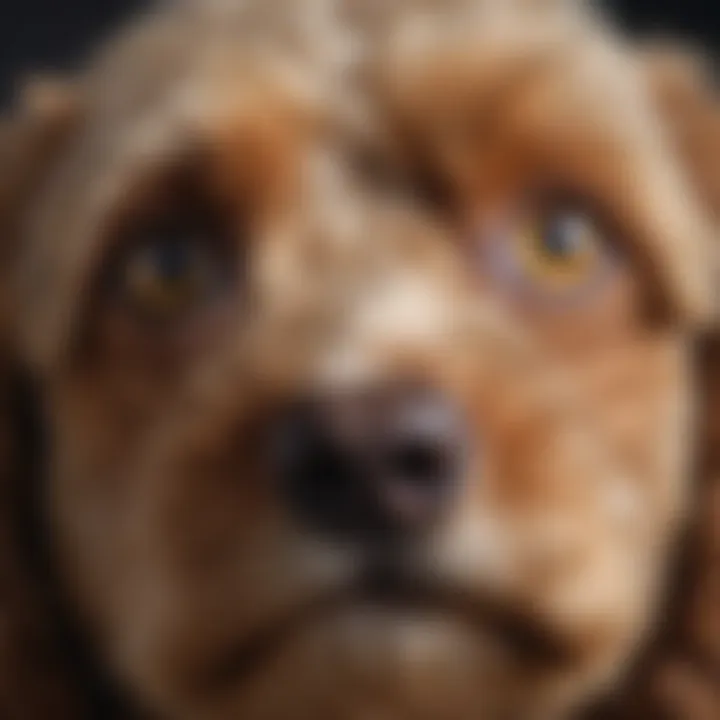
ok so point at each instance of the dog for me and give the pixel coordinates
(348, 365)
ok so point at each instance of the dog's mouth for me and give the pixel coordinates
(398, 595)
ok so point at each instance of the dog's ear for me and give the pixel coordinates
(683, 87)
(35, 677)
(677, 677)
(31, 135)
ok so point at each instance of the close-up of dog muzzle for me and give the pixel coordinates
(359, 362)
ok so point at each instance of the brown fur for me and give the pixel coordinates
(678, 675)
(149, 550)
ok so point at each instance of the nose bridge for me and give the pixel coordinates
(370, 274)
(407, 308)
(396, 322)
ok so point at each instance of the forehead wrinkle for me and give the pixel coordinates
(454, 95)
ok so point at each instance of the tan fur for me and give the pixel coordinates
(169, 550)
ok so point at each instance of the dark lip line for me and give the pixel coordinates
(536, 643)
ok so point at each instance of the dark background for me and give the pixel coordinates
(38, 34)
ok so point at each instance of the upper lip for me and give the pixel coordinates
(534, 641)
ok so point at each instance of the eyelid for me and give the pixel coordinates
(501, 254)
(189, 217)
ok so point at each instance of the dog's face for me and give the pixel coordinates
(319, 451)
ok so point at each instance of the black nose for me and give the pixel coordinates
(371, 465)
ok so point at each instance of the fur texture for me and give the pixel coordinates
(366, 180)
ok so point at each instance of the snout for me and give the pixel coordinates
(440, 513)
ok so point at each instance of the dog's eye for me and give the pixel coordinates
(550, 257)
(171, 271)
(560, 250)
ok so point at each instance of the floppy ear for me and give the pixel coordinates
(689, 97)
(679, 675)
(30, 137)
(35, 674)
(682, 83)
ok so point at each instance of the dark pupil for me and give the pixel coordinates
(173, 259)
(560, 239)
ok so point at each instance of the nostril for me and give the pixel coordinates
(423, 464)
(315, 471)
